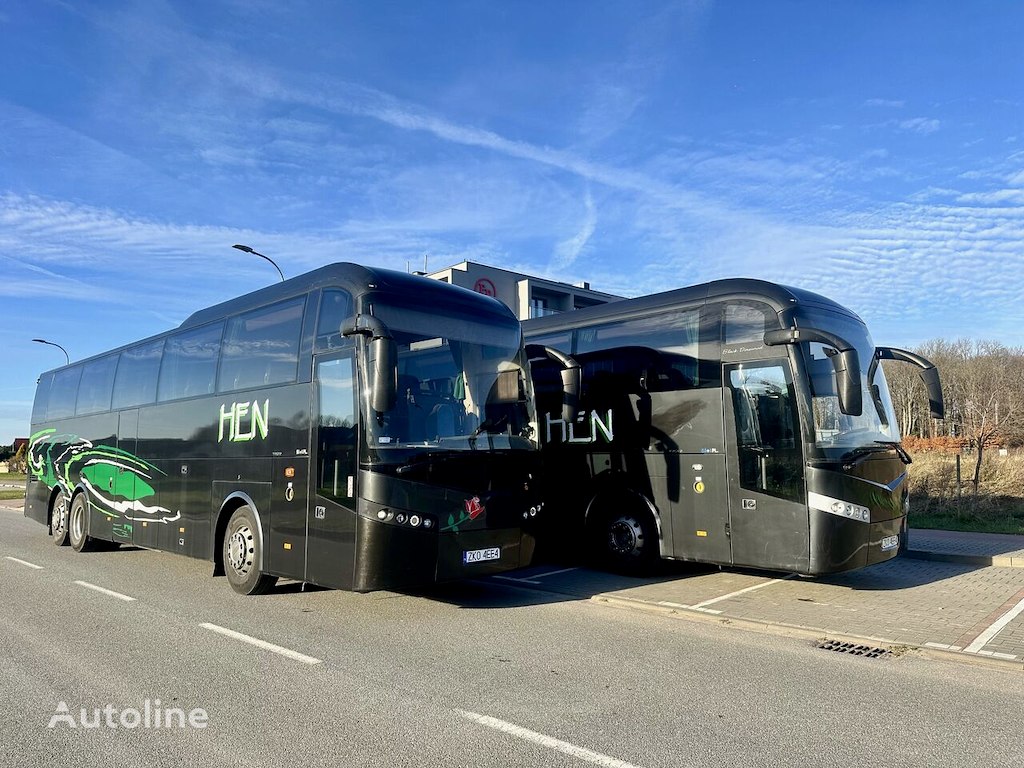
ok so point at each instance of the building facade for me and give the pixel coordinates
(526, 295)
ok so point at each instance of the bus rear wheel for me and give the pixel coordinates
(59, 520)
(242, 554)
(626, 542)
(78, 524)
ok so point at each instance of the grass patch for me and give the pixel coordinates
(6, 494)
(938, 501)
(12, 476)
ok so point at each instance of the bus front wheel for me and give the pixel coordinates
(242, 552)
(59, 520)
(626, 542)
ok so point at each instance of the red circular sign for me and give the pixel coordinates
(485, 286)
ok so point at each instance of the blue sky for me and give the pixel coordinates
(871, 151)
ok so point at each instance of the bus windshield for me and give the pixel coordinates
(463, 385)
(836, 434)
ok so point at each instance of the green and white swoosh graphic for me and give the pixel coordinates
(119, 483)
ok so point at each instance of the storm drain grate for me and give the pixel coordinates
(854, 649)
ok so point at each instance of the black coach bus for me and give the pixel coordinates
(736, 422)
(352, 427)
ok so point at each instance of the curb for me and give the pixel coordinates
(806, 633)
(998, 561)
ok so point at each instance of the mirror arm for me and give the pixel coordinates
(845, 364)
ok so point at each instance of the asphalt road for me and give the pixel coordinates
(473, 674)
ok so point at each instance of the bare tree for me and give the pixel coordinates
(983, 382)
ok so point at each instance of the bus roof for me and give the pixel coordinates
(779, 297)
(357, 280)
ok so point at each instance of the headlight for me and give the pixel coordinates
(839, 507)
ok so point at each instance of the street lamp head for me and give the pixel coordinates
(247, 249)
(67, 357)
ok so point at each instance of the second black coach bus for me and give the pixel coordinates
(352, 427)
(736, 422)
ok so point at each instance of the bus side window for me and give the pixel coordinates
(64, 393)
(190, 363)
(135, 382)
(335, 309)
(96, 385)
(262, 347)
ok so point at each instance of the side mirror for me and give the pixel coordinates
(382, 373)
(571, 374)
(929, 375)
(381, 360)
(845, 363)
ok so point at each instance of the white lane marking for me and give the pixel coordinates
(261, 644)
(997, 626)
(943, 646)
(545, 741)
(533, 577)
(24, 562)
(109, 592)
(518, 581)
(714, 600)
(553, 573)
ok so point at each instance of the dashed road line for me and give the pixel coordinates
(542, 740)
(280, 650)
(105, 591)
(23, 562)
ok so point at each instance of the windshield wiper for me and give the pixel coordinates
(428, 458)
(853, 457)
(900, 450)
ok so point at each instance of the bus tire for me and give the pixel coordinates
(242, 552)
(59, 520)
(626, 541)
(78, 524)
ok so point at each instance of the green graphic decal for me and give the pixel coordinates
(118, 483)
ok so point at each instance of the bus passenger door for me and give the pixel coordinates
(331, 513)
(767, 498)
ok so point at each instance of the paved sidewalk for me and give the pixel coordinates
(997, 549)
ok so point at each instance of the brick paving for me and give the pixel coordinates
(959, 591)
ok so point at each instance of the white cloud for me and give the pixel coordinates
(567, 251)
(922, 125)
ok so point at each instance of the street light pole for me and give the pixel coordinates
(247, 249)
(58, 346)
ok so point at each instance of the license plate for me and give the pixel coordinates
(481, 555)
(890, 542)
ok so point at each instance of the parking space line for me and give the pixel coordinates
(995, 628)
(549, 742)
(712, 601)
(518, 581)
(280, 650)
(24, 562)
(534, 576)
(105, 591)
(553, 573)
